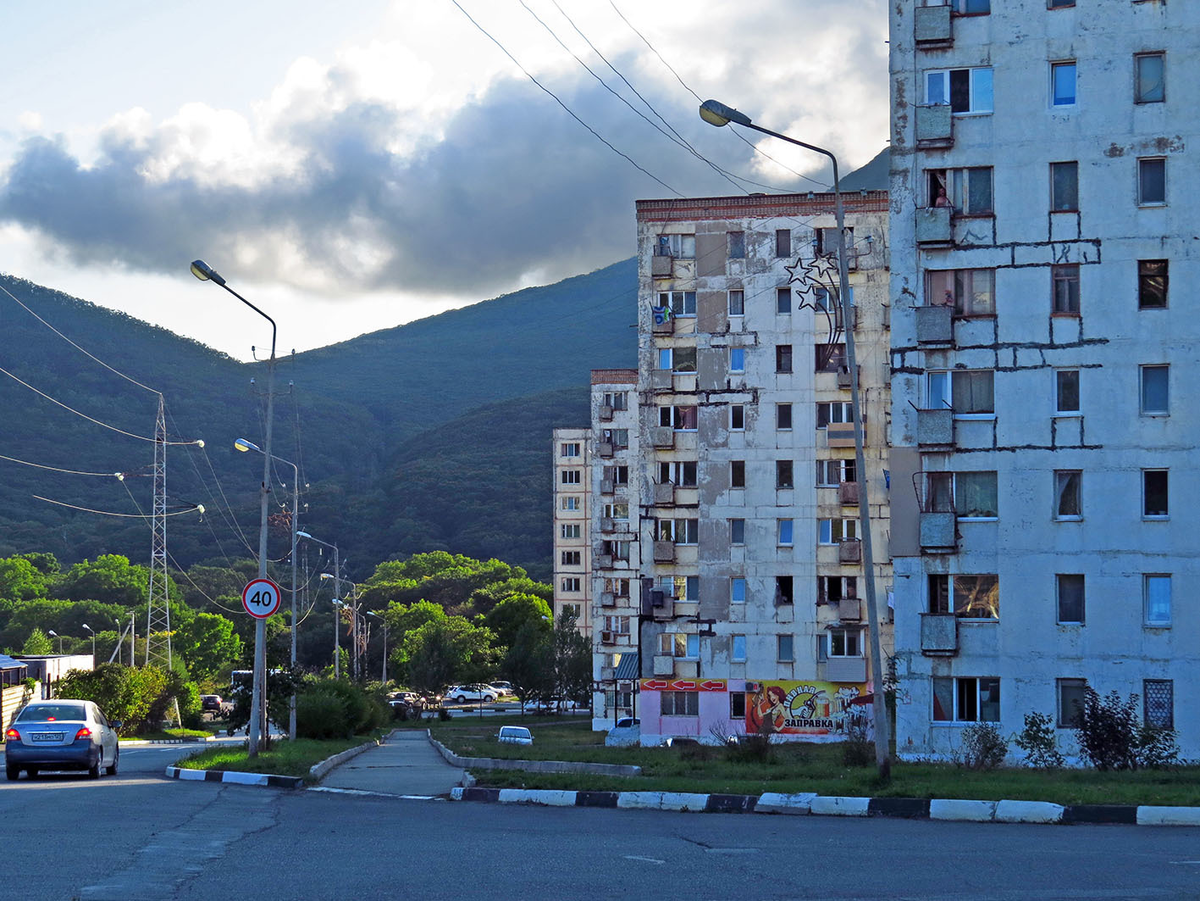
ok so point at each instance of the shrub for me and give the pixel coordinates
(857, 749)
(754, 747)
(1108, 729)
(983, 747)
(1156, 747)
(1038, 741)
(334, 708)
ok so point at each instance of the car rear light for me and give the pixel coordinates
(12, 735)
(85, 732)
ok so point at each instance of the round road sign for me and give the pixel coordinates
(261, 598)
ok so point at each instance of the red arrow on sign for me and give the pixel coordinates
(683, 685)
(654, 684)
(712, 685)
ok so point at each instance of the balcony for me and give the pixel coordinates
(607, 486)
(662, 437)
(662, 380)
(606, 638)
(605, 413)
(846, 669)
(661, 266)
(848, 494)
(935, 127)
(931, 28)
(604, 561)
(849, 610)
(664, 552)
(938, 532)
(604, 449)
(664, 494)
(933, 227)
(607, 524)
(665, 327)
(843, 377)
(850, 551)
(840, 434)
(939, 634)
(935, 324)
(935, 428)
(607, 599)
(664, 665)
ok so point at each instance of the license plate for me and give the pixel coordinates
(46, 736)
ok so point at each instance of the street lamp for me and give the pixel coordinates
(54, 634)
(241, 444)
(384, 621)
(204, 272)
(718, 114)
(93, 631)
(337, 585)
(337, 647)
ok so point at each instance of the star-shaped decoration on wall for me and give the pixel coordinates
(817, 274)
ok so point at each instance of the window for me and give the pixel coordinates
(1149, 78)
(570, 476)
(737, 531)
(966, 700)
(677, 359)
(678, 472)
(737, 245)
(783, 242)
(834, 411)
(975, 495)
(679, 644)
(969, 392)
(1156, 599)
(680, 531)
(737, 303)
(617, 587)
(681, 418)
(737, 699)
(831, 473)
(826, 241)
(570, 450)
(682, 303)
(972, 292)
(783, 474)
(571, 584)
(784, 651)
(1062, 83)
(1068, 494)
(967, 597)
(1156, 390)
(783, 358)
(687, 588)
(845, 643)
(834, 531)
(618, 438)
(785, 591)
(737, 590)
(965, 90)
(680, 703)
(737, 473)
(618, 475)
(1152, 284)
(1158, 703)
(738, 655)
(618, 550)
(1065, 282)
(616, 511)
(783, 300)
(829, 358)
(1070, 701)
(784, 532)
(1066, 391)
(618, 625)
(967, 191)
(571, 502)
(618, 400)
(971, 7)
(737, 359)
(1152, 181)
(681, 247)
(737, 417)
(1154, 493)
(570, 530)
(1064, 187)
(570, 558)
(832, 589)
(783, 416)
(1059, 4)
(1070, 598)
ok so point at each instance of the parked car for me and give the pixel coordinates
(626, 722)
(626, 732)
(502, 688)
(61, 735)
(515, 735)
(460, 694)
(413, 700)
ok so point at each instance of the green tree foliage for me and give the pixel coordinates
(208, 644)
(111, 579)
(448, 580)
(404, 618)
(514, 613)
(486, 598)
(21, 580)
(46, 564)
(123, 693)
(572, 660)
(20, 618)
(529, 663)
(443, 652)
(38, 642)
(329, 708)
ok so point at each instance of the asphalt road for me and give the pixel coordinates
(139, 835)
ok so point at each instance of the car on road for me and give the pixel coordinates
(514, 735)
(61, 735)
(460, 694)
(503, 689)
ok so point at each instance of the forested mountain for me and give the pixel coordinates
(431, 435)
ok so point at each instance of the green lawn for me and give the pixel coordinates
(795, 768)
(168, 734)
(285, 758)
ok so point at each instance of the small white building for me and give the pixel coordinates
(49, 668)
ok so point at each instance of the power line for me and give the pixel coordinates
(191, 509)
(71, 472)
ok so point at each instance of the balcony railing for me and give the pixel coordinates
(662, 437)
(848, 494)
(934, 227)
(938, 532)
(935, 126)
(932, 28)
(939, 634)
(664, 551)
(935, 428)
(935, 324)
(850, 551)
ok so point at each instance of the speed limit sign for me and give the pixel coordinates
(261, 598)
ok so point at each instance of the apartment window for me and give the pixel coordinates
(681, 247)
(1071, 693)
(783, 532)
(783, 300)
(1068, 494)
(783, 416)
(1154, 493)
(975, 495)
(783, 358)
(1065, 282)
(571, 502)
(834, 531)
(1059, 4)
(617, 587)
(737, 473)
(570, 476)
(972, 292)
(687, 588)
(618, 512)
(737, 245)
(737, 699)
(834, 411)
(682, 303)
(737, 531)
(737, 303)
(1066, 391)
(968, 392)
(970, 700)
(570, 558)
(832, 589)
(618, 400)
(1155, 390)
(1069, 588)
(678, 472)
(680, 531)
(1149, 78)
(783, 474)
(784, 649)
(737, 359)
(737, 590)
(967, 597)
(618, 475)
(1152, 181)
(738, 655)
(570, 530)
(737, 417)
(679, 644)
(618, 438)
(683, 359)
(618, 625)
(1158, 703)
(1064, 187)
(845, 643)
(570, 449)
(571, 584)
(967, 191)
(964, 90)
(679, 418)
(680, 703)
(1156, 599)
(783, 242)
(826, 242)
(1062, 83)
(785, 592)
(831, 473)
(1152, 284)
(829, 358)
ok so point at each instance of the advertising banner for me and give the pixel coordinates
(684, 685)
(808, 708)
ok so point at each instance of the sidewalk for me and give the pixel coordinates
(405, 764)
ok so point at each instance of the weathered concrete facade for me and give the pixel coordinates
(572, 497)
(1042, 228)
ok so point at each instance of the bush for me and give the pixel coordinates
(1038, 741)
(983, 747)
(857, 749)
(334, 708)
(1156, 747)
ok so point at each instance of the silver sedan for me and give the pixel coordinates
(61, 735)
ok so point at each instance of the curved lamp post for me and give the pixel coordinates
(716, 113)
(54, 634)
(93, 631)
(384, 621)
(258, 695)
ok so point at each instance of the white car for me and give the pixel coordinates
(515, 735)
(502, 688)
(460, 694)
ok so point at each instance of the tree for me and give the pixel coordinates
(123, 693)
(514, 613)
(20, 580)
(443, 652)
(208, 644)
(404, 618)
(448, 580)
(572, 660)
(110, 578)
(529, 663)
(37, 643)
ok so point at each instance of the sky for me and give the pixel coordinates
(351, 167)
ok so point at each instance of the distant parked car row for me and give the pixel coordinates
(477, 691)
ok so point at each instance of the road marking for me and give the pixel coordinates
(731, 850)
(371, 794)
(1189, 863)
(644, 859)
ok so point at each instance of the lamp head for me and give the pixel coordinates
(52, 633)
(243, 445)
(714, 112)
(205, 272)
(89, 628)
(303, 535)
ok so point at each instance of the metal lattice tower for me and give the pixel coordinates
(158, 614)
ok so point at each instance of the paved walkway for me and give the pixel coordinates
(405, 764)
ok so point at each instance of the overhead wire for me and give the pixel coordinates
(71, 472)
(191, 509)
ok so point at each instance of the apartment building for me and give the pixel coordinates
(1044, 469)
(744, 575)
(572, 496)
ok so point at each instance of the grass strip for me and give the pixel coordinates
(284, 758)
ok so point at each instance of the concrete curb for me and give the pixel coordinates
(318, 770)
(810, 804)
(225, 776)
(147, 742)
(533, 766)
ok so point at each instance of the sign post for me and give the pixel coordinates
(261, 598)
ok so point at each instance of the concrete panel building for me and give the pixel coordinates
(1042, 231)
(572, 495)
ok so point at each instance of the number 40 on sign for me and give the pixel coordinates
(261, 598)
